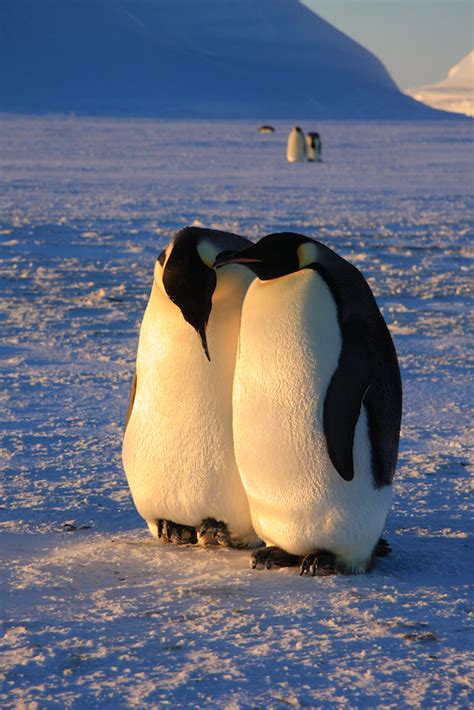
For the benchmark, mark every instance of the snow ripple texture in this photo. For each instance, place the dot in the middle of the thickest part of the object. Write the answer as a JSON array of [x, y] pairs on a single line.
[[97, 614]]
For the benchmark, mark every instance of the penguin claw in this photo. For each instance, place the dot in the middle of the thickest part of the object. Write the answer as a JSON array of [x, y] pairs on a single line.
[[269, 557], [175, 533], [304, 568], [318, 564], [216, 532], [159, 526]]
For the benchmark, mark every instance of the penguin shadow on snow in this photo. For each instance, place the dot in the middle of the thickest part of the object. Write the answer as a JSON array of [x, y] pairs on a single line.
[[191, 559], [414, 554], [428, 556]]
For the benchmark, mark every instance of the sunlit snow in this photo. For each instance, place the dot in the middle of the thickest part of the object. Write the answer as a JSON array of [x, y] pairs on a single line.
[[97, 613]]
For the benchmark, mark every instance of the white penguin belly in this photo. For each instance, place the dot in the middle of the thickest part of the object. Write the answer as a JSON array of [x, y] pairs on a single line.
[[178, 449], [296, 147], [290, 344]]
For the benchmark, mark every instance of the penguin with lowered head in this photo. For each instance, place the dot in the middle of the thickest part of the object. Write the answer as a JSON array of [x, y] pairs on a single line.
[[177, 451], [317, 407]]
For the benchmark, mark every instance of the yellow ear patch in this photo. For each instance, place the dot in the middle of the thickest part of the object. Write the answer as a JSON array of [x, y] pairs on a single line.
[[208, 252], [307, 254]]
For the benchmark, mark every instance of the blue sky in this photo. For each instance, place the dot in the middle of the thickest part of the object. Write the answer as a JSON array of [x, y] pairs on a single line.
[[417, 40]]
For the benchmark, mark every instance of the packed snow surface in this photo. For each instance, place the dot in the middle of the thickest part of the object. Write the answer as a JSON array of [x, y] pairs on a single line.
[[95, 612]]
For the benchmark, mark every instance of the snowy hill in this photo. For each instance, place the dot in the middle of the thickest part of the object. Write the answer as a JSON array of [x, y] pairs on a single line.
[[455, 93], [183, 58]]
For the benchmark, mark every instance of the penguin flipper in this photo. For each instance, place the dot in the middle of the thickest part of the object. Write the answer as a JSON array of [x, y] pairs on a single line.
[[345, 394], [133, 391]]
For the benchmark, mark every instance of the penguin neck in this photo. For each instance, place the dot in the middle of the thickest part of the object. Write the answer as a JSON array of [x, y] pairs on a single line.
[[291, 280], [232, 280]]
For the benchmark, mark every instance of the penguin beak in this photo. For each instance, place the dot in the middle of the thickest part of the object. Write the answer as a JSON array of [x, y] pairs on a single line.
[[235, 258]]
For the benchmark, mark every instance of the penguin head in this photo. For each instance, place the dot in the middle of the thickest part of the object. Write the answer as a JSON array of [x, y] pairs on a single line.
[[275, 255], [187, 274]]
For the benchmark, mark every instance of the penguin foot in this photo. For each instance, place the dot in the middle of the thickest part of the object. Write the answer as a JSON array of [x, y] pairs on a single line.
[[319, 564], [175, 533], [268, 557], [382, 548], [216, 532]]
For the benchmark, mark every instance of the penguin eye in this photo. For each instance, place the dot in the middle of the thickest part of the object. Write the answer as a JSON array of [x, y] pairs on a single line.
[[162, 257]]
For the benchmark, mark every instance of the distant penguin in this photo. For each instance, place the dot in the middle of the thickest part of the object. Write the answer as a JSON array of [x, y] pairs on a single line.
[[314, 147], [266, 129], [178, 450], [296, 147], [317, 407]]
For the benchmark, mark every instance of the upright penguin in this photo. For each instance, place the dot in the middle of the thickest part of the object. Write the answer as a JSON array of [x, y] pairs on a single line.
[[314, 147], [296, 146], [317, 407], [177, 451]]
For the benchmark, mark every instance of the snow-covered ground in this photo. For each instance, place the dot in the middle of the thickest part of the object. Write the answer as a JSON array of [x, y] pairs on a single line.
[[95, 612]]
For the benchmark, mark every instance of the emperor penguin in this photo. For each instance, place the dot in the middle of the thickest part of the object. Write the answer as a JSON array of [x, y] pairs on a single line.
[[314, 147], [316, 406], [178, 451], [296, 146]]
